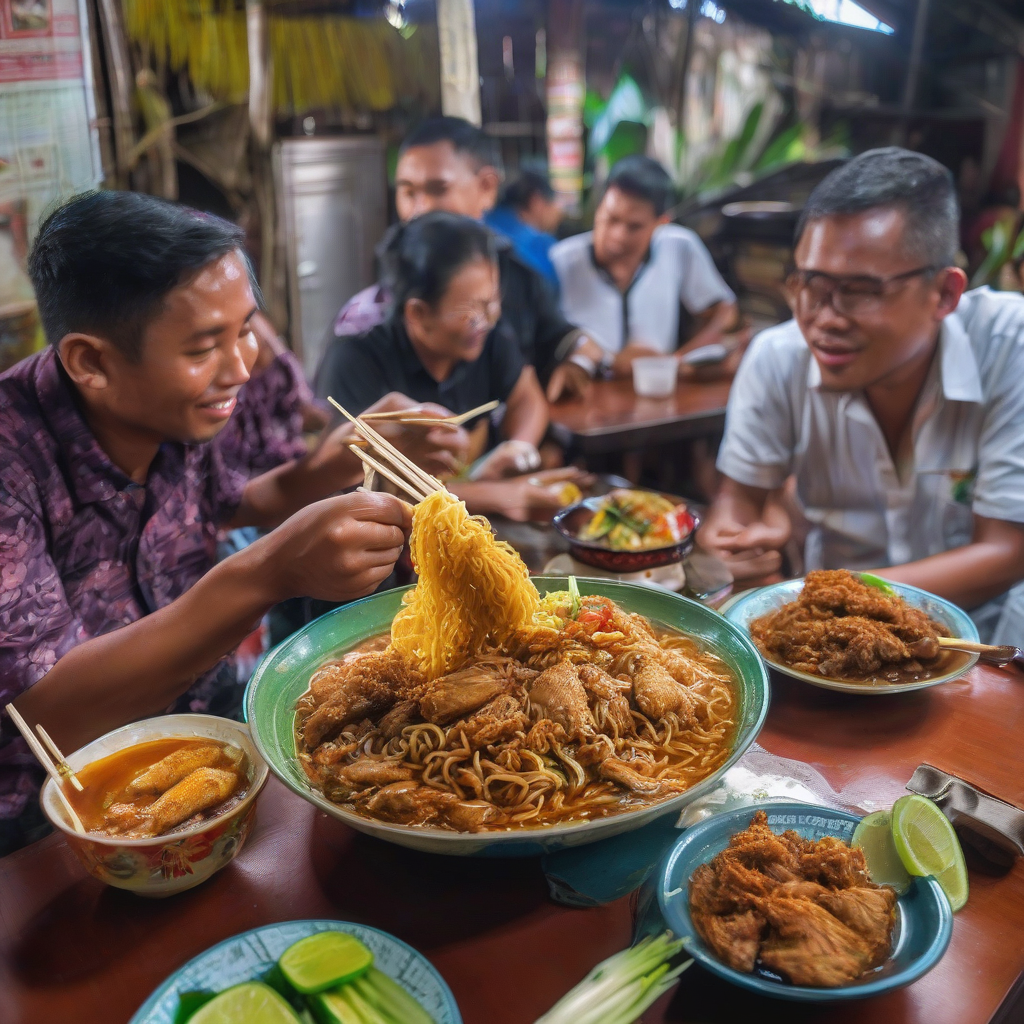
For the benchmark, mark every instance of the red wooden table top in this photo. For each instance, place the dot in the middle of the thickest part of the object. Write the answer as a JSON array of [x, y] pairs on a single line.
[[72, 950]]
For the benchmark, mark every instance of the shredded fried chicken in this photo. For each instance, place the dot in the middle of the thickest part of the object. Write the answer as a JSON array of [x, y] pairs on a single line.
[[842, 628], [806, 910]]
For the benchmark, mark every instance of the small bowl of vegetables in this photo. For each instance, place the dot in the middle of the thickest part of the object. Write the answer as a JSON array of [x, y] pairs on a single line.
[[628, 530]]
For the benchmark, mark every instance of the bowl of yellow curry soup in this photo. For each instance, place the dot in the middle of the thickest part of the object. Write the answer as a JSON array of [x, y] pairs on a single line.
[[166, 802]]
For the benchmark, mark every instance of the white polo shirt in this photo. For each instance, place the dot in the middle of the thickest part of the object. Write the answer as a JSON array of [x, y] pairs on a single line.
[[967, 453], [678, 269]]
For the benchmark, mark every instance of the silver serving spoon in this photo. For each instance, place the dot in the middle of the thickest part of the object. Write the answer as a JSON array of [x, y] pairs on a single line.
[[995, 654]]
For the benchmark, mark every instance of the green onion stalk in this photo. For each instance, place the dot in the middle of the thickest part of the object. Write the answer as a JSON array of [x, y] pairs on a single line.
[[620, 988]]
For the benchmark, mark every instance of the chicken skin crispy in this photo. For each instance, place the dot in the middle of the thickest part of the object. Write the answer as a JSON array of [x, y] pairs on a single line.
[[843, 628], [805, 910]]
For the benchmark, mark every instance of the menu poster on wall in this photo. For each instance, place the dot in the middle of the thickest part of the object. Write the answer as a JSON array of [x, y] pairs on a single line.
[[40, 41]]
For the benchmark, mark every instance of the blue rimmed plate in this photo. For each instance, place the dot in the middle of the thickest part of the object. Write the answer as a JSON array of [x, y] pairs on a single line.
[[924, 921], [744, 608], [250, 955]]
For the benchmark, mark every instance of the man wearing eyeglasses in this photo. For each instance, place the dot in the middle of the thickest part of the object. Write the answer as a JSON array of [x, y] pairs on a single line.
[[893, 400]]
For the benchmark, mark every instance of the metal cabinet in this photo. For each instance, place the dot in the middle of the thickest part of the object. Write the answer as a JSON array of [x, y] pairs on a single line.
[[333, 194]]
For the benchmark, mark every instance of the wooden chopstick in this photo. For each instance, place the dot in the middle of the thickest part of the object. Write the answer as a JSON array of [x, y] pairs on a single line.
[[410, 415], [44, 759], [62, 765], [400, 461], [372, 466]]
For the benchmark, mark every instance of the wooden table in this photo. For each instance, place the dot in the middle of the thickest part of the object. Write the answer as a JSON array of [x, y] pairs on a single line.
[[74, 951], [611, 417]]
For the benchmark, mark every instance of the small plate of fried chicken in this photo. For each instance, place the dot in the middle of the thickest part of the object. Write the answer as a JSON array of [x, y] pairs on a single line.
[[773, 898], [854, 632]]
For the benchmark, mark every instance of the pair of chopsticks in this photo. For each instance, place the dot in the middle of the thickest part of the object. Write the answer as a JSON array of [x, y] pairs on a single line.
[[390, 463], [410, 416], [58, 771]]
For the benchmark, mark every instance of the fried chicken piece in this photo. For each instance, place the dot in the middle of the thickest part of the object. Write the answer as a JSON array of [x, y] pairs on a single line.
[[557, 694], [198, 791], [657, 694], [809, 946], [463, 691], [402, 714], [870, 912], [599, 683], [370, 772], [625, 775], [834, 864], [498, 720], [473, 815], [734, 938], [357, 689], [409, 803], [759, 847], [159, 777]]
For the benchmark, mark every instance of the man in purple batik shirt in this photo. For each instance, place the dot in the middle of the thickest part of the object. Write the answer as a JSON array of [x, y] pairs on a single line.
[[111, 605]]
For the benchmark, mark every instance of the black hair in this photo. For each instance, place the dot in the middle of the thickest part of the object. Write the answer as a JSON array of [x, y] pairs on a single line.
[[103, 262], [420, 258], [893, 177], [464, 138], [643, 178], [518, 193]]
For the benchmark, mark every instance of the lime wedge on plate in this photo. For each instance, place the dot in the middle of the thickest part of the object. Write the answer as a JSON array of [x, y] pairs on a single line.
[[927, 845], [323, 960], [874, 836], [250, 1003]]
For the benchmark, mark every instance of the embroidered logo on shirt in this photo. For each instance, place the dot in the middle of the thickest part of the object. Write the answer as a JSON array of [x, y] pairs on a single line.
[[961, 486]]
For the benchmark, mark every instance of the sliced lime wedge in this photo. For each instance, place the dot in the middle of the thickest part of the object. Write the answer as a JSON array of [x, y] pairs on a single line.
[[249, 1003], [927, 845], [321, 961], [874, 836]]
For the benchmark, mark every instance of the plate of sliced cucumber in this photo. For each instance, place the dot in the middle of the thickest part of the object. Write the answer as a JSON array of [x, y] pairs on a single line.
[[304, 972]]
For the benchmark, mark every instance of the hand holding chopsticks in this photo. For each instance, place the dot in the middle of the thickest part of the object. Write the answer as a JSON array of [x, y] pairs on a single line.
[[57, 771], [394, 466]]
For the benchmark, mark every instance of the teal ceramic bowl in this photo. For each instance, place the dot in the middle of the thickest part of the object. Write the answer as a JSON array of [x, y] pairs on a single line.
[[743, 609], [924, 921], [283, 676], [249, 956]]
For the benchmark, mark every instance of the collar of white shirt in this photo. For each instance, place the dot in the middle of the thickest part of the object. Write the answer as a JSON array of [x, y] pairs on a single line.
[[961, 381]]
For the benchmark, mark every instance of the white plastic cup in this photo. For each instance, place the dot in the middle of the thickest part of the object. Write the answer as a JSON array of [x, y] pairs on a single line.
[[655, 376]]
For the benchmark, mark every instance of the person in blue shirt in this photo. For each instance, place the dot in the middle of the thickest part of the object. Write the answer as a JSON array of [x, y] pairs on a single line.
[[528, 216]]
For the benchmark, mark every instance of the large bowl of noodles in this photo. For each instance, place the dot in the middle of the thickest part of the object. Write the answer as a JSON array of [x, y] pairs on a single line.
[[284, 676]]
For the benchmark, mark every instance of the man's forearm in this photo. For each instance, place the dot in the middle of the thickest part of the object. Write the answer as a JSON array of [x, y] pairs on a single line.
[[967, 576], [269, 499], [140, 669], [722, 320], [526, 417]]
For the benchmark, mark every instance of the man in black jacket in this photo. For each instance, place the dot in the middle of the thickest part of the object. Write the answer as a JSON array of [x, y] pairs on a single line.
[[448, 164]]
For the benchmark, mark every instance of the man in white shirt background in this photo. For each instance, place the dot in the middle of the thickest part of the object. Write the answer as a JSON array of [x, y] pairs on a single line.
[[623, 283], [892, 400]]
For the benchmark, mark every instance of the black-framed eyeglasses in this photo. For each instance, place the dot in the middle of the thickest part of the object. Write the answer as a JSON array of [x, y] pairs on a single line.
[[849, 294]]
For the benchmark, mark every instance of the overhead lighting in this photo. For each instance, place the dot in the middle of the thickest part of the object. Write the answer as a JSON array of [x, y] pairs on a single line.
[[844, 12]]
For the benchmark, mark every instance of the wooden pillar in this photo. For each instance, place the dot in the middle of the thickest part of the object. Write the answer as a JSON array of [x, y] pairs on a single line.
[[460, 72], [566, 87], [261, 134], [119, 73]]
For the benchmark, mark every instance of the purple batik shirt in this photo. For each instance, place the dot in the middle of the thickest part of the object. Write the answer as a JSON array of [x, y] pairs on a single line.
[[84, 550]]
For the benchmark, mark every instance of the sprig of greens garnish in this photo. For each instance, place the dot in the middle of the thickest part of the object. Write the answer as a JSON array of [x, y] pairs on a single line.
[[574, 596]]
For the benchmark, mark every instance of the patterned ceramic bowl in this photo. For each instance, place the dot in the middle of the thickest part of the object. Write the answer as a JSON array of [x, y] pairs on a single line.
[[165, 864], [570, 521]]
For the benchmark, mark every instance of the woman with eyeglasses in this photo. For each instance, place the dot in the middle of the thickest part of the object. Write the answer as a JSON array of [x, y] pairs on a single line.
[[443, 346], [891, 406]]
